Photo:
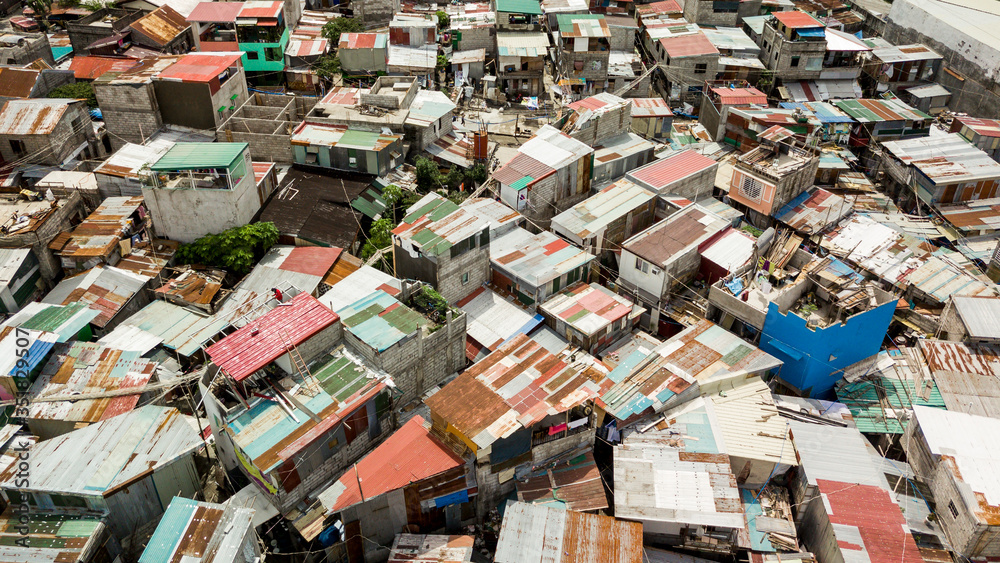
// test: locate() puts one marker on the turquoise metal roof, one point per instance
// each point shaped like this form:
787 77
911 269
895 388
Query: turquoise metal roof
194 156
520 6
169 531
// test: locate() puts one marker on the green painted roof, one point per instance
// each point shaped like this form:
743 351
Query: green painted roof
522 183
568 19
370 203
353 138
520 6
862 398
193 156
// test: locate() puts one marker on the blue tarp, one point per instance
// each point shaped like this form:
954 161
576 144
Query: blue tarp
817 32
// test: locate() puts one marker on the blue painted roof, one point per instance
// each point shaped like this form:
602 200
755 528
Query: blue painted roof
826 113
381 321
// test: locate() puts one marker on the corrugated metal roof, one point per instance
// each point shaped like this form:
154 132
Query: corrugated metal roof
594 214
689 45
589 308
380 321
162 25
357 284
215 12
796 19
533 533
314 48
659 8
200 67
516 387
261 9
99 233
582 25
945 159
650 107
410 455
54 536
434 225
92 67
814 210
428 107
522 170
66 321
877 110
904 53
33 116
536 259
17 82
193 531
419 548
980 315
867 524
733 249
126 161
574 483
492 320
520 44
835 453
740 96
677 475
966 445
11 260
882 391
661 174
984 127
676 235
193 156
104 288
110 453
966 375
333 135
364 40
531 7
265 339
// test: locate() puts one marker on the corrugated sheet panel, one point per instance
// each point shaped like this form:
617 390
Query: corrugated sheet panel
537 533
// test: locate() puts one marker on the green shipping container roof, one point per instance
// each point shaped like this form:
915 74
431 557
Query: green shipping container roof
520 6
194 156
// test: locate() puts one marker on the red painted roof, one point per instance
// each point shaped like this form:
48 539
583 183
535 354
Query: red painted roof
740 96
660 174
796 19
199 68
520 166
691 45
260 341
592 103
91 67
876 516
411 454
208 12
358 40
261 170
313 260
267 10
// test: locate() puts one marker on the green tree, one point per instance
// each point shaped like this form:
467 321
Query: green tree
379 237
476 175
333 29
328 66
442 63
391 195
41 8
77 91
428 174
236 249
443 19
453 179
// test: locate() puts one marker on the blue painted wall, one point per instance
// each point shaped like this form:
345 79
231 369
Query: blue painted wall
813 357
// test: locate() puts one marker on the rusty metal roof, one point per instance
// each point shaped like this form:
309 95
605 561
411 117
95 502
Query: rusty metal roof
111 453
106 289
412 454
650 107
17 82
260 9
866 524
33 116
534 382
419 548
533 533
149 259
572 483
669 239
435 224
814 210
92 67
100 232
197 67
589 308
263 340
162 25
87 367
198 532
690 45
965 375
67 535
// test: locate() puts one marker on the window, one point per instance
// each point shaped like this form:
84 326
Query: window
751 188
273 54
253 55
18 146
641 265
952 509
795 61
465 278
352 157
700 68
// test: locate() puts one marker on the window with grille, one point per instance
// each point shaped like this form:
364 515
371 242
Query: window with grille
751 188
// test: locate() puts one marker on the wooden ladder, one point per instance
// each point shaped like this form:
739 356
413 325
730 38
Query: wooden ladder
293 354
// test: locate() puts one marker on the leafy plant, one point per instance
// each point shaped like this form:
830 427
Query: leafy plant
333 29
236 249
443 19
328 66
428 174
476 175
77 91
442 63
379 237
391 195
